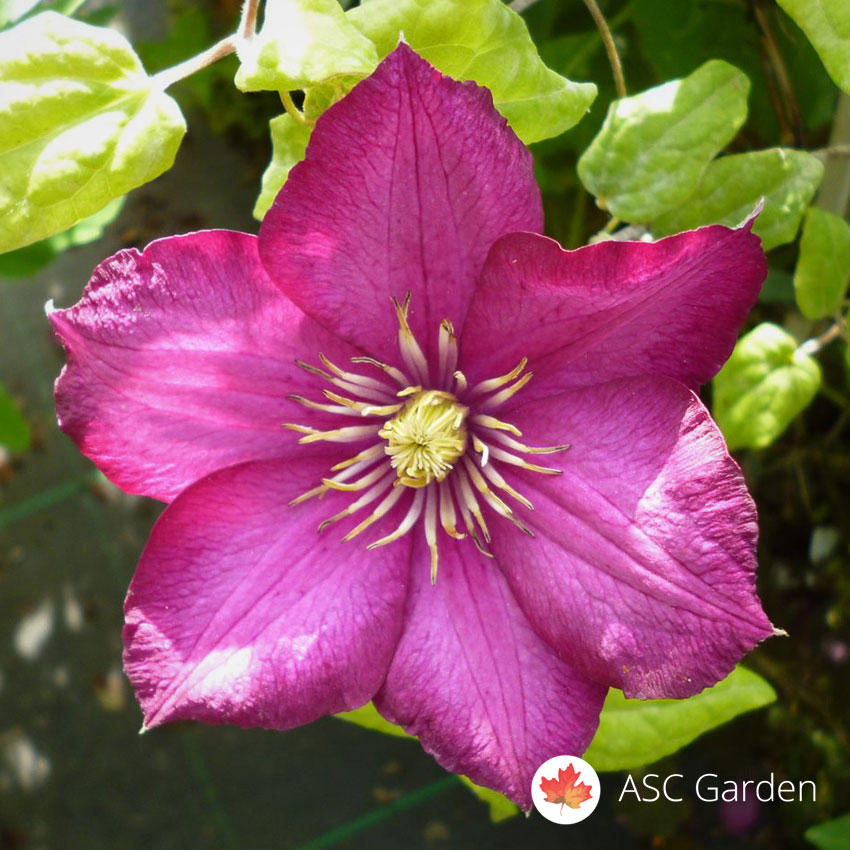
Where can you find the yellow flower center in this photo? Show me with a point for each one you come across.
(426, 437)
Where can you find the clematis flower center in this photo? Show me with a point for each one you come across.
(426, 438)
(436, 444)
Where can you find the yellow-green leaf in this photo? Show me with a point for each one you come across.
(653, 147)
(827, 25)
(731, 187)
(766, 383)
(636, 732)
(289, 142)
(301, 43)
(823, 267)
(484, 41)
(81, 124)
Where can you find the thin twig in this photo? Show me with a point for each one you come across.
(834, 192)
(812, 346)
(832, 152)
(610, 46)
(248, 23)
(293, 111)
(169, 76)
(519, 6)
(780, 71)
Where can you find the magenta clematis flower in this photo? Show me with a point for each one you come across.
(530, 542)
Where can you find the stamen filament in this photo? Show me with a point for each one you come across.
(481, 485)
(507, 457)
(339, 435)
(467, 517)
(448, 517)
(337, 483)
(355, 389)
(496, 478)
(472, 502)
(531, 450)
(326, 408)
(354, 378)
(396, 374)
(376, 451)
(448, 352)
(460, 381)
(495, 383)
(383, 508)
(406, 524)
(431, 530)
(504, 395)
(486, 421)
(410, 351)
(369, 496)
(350, 472)
(362, 407)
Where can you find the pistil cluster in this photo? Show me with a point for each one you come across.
(436, 436)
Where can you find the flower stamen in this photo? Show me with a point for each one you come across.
(504, 395)
(426, 437)
(411, 353)
(383, 508)
(368, 392)
(495, 383)
(339, 435)
(369, 496)
(436, 441)
(448, 351)
(406, 524)
(396, 374)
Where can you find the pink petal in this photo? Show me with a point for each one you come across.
(179, 362)
(642, 571)
(407, 182)
(240, 612)
(486, 696)
(613, 309)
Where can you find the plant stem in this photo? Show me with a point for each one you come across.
(832, 152)
(610, 46)
(834, 193)
(787, 98)
(169, 76)
(248, 22)
(519, 6)
(812, 346)
(293, 111)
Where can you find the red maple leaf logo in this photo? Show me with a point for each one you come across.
(564, 789)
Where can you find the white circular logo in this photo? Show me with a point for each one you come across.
(565, 789)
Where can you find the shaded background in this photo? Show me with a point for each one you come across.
(74, 773)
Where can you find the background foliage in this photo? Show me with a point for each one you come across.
(730, 102)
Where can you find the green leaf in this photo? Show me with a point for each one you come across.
(823, 268)
(501, 808)
(14, 431)
(368, 717)
(766, 383)
(484, 41)
(827, 25)
(26, 261)
(635, 732)
(653, 148)
(832, 835)
(11, 10)
(289, 142)
(301, 43)
(80, 124)
(732, 186)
